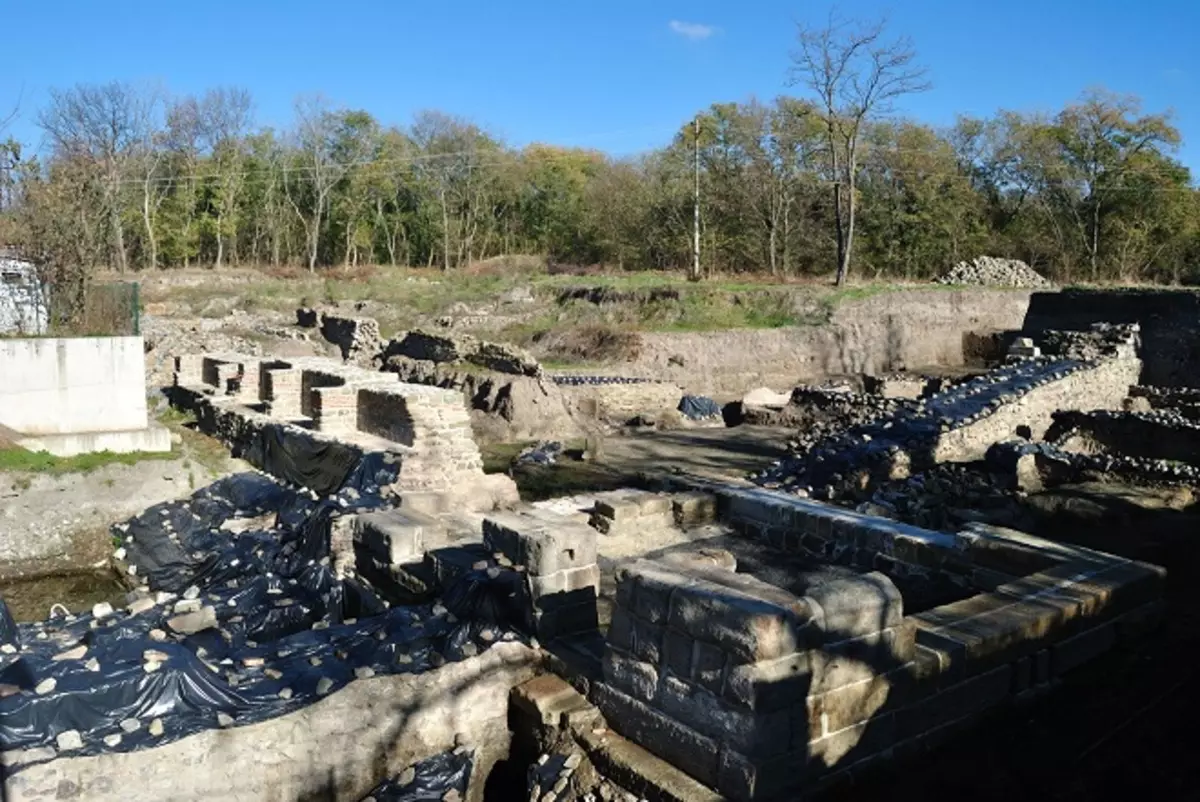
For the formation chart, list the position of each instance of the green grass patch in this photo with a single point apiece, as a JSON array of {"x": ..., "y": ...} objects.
[{"x": 20, "y": 460}]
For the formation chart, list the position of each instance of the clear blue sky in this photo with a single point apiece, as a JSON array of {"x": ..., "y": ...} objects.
[{"x": 613, "y": 75}]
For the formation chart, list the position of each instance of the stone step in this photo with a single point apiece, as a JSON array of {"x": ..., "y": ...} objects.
[
  {"x": 641, "y": 772},
  {"x": 399, "y": 535}
]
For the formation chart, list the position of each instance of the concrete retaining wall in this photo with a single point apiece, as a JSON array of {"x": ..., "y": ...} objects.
[
  {"x": 71, "y": 386},
  {"x": 337, "y": 749}
]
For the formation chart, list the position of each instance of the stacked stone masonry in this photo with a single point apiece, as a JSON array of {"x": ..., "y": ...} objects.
[
  {"x": 425, "y": 429},
  {"x": 762, "y": 694},
  {"x": 559, "y": 559},
  {"x": 629, "y": 512}
]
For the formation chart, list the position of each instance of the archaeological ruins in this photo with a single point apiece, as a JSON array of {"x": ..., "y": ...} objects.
[{"x": 368, "y": 609}]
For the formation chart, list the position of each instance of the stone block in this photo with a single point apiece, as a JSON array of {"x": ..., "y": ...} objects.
[
  {"x": 651, "y": 585},
  {"x": 741, "y": 779},
  {"x": 677, "y": 653},
  {"x": 632, "y": 676},
  {"x": 746, "y": 617},
  {"x": 770, "y": 684},
  {"x": 398, "y": 535},
  {"x": 1082, "y": 648},
  {"x": 846, "y": 746},
  {"x": 620, "y": 629},
  {"x": 690, "y": 509},
  {"x": 762, "y": 733},
  {"x": 542, "y": 544},
  {"x": 679, "y": 745},
  {"x": 960, "y": 700},
  {"x": 565, "y": 620},
  {"x": 856, "y": 659},
  {"x": 859, "y": 605},
  {"x": 850, "y": 704},
  {"x": 648, "y": 641},
  {"x": 545, "y": 698},
  {"x": 569, "y": 580},
  {"x": 709, "y": 665}
]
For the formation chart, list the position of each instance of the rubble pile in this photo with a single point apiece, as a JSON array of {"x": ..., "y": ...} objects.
[
  {"x": 1101, "y": 340},
  {"x": 990, "y": 271},
  {"x": 885, "y": 437}
]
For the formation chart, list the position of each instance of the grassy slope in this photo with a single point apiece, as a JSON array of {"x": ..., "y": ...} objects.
[{"x": 402, "y": 298}]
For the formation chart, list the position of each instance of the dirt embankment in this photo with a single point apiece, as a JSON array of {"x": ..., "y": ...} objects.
[{"x": 911, "y": 329}]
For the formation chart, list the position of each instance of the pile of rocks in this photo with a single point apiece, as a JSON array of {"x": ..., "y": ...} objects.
[
  {"x": 444, "y": 349},
  {"x": 990, "y": 271},
  {"x": 1099, "y": 341}
]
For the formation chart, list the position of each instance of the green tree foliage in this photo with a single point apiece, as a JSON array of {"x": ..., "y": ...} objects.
[{"x": 134, "y": 180}]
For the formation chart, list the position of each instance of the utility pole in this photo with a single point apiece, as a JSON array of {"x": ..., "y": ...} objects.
[{"x": 695, "y": 274}]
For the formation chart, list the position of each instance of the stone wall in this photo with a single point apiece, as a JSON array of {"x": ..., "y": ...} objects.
[
  {"x": 1158, "y": 435},
  {"x": 1169, "y": 321},
  {"x": 559, "y": 560},
  {"x": 504, "y": 407},
  {"x": 425, "y": 431},
  {"x": 338, "y": 748},
  {"x": 763, "y": 695},
  {"x": 1090, "y": 387},
  {"x": 357, "y": 338}
]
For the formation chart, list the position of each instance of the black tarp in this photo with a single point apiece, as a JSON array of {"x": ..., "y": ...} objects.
[
  {"x": 289, "y": 630},
  {"x": 433, "y": 779},
  {"x": 699, "y": 407}
]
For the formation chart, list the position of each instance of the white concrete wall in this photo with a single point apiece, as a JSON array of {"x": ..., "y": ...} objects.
[{"x": 72, "y": 385}]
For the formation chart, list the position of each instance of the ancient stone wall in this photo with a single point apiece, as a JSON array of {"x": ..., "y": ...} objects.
[
  {"x": 762, "y": 694},
  {"x": 559, "y": 559},
  {"x": 1003, "y": 409},
  {"x": 1169, "y": 321},
  {"x": 1157, "y": 435}
]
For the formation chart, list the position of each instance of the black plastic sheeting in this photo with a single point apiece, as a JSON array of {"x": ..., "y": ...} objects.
[
  {"x": 288, "y": 630},
  {"x": 9, "y": 634},
  {"x": 434, "y": 778},
  {"x": 699, "y": 407},
  {"x": 543, "y": 453}
]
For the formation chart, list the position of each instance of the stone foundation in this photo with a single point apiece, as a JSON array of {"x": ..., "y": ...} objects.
[
  {"x": 318, "y": 405},
  {"x": 765, "y": 694}
]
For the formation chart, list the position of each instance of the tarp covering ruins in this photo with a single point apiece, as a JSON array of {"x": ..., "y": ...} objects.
[{"x": 249, "y": 620}]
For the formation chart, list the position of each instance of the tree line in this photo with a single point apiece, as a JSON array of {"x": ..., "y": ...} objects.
[{"x": 131, "y": 178}]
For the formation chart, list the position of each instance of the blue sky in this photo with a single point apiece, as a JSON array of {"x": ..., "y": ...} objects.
[{"x": 620, "y": 75}]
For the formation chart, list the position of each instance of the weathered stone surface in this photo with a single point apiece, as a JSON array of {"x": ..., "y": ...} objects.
[
  {"x": 543, "y": 542},
  {"x": 658, "y": 733},
  {"x": 632, "y": 676},
  {"x": 750, "y": 622},
  {"x": 854, "y": 606},
  {"x": 190, "y": 623}
]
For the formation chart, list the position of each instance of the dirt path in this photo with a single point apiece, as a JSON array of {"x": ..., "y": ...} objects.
[{"x": 718, "y": 452}]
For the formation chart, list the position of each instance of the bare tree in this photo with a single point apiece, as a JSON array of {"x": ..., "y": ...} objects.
[
  {"x": 225, "y": 116},
  {"x": 102, "y": 125},
  {"x": 317, "y": 169},
  {"x": 855, "y": 74}
]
